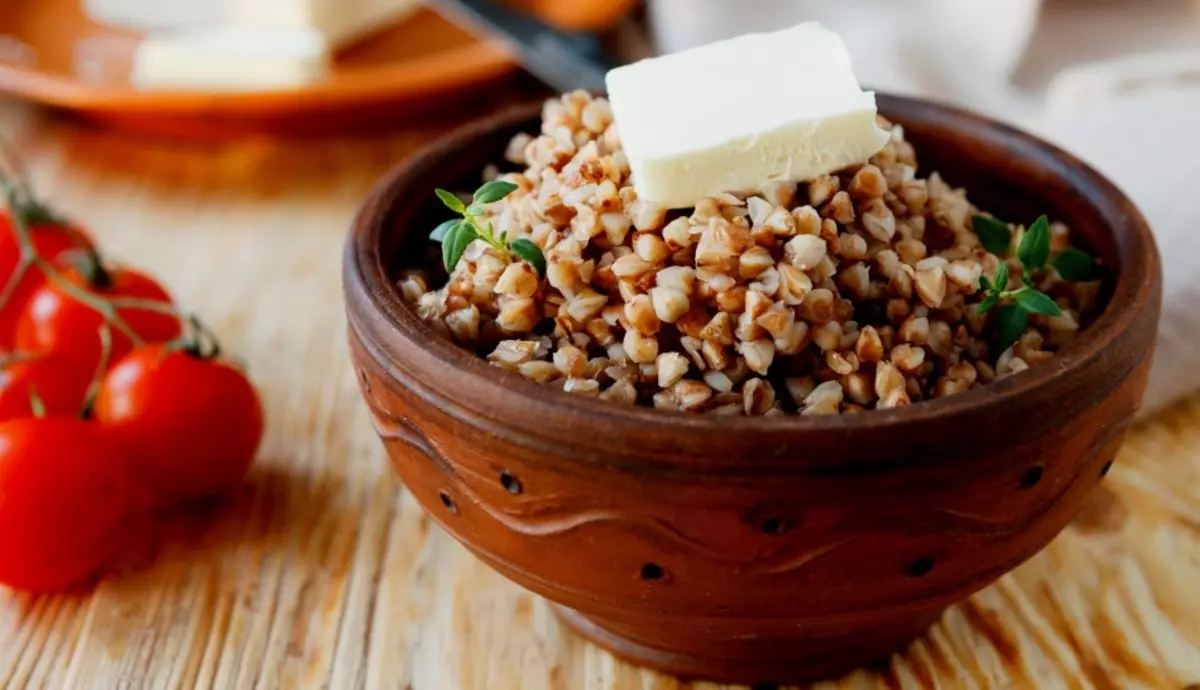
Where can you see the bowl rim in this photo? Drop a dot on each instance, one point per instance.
(1138, 281)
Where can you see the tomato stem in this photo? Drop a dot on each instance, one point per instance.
(36, 405)
(204, 335)
(99, 304)
(10, 160)
(11, 358)
(30, 258)
(28, 253)
(93, 389)
(198, 341)
(25, 210)
(166, 308)
(136, 304)
(39, 214)
(91, 268)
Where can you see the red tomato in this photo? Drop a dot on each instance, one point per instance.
(192, 425)
(51, 240)
(66, 502)
(60, 383)
(55, 321)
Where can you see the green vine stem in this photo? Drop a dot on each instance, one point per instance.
(10, 160)
(197, 341)
(99, 304)
(107, 308)
(13, 358)
(36, 405)
(93, 389)
(86, 261)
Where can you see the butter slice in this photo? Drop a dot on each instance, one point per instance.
(740, 114)
(156, 15)
(341, 22)
(230, 58)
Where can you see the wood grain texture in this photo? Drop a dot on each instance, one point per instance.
(323, 572)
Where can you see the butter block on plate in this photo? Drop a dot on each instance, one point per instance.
(341, 22)
(156, 15)
(262, 45)
(228, 58)
(740, 114)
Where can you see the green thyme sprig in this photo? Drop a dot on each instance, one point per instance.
(996, 237)
(456, 233)
(1033, 251)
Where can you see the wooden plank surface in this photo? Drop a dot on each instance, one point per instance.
(323, 572)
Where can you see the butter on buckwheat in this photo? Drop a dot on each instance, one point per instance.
(740, 114)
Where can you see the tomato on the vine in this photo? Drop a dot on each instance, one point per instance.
(51, 239)
(67, 502)
(56, 321)
(58, 383)
(191, 423)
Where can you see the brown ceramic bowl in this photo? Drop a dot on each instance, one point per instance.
(756, 549)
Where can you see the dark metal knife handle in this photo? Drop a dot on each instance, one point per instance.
(565, 61)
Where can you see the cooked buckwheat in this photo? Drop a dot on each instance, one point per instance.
(853, 291)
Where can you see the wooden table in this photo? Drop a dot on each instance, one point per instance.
(323, 571)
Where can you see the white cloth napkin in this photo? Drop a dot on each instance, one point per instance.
(1116, 82)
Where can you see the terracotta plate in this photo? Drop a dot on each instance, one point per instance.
(51, 52)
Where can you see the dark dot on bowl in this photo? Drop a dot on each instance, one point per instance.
(1032, 476)
(920, 567)
(1107, 466)
(765, 686)
(882, 667)
(448, 502)
(774, 526)
(652, 571)
(365, 381)
(510, 483)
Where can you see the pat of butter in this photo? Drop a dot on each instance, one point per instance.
(158, 15)
(263, 44)
(341, 22)
(740, 114)
(231, 59)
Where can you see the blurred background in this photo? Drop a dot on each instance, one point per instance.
(289, 65)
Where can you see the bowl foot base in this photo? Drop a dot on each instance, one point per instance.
(806, 660)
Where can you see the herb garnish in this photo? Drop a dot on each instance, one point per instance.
(994, 235)
(1033, 251)
(457, 233)
(1074, 265)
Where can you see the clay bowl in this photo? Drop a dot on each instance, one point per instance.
(758, 549)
